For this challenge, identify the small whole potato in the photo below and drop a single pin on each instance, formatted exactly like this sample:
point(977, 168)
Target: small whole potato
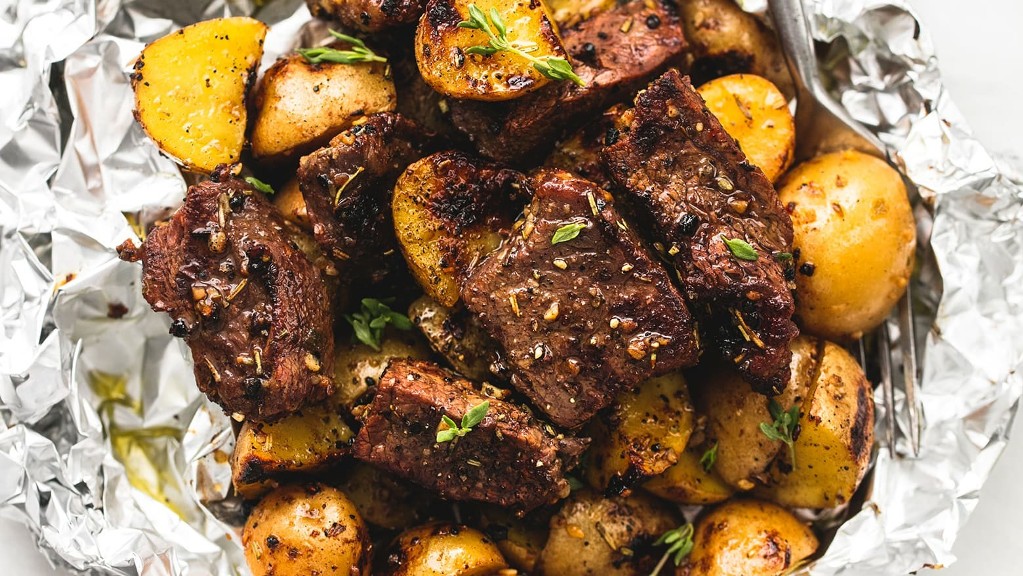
point(748, 538)
point(442, 549)
point(306, 529)
point(855, 237)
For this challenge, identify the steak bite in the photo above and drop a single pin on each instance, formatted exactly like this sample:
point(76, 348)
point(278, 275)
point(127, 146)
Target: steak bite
point(615, 53)
point(691, 182)
point(347, 188)
point(509, 458)
point(251, 307)
point(580, 317)
point(368, 15)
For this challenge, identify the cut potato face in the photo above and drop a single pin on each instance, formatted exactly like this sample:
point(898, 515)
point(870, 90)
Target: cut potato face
point(290, 203)
point(190, 89)
point(689, 482)
point(442, 549)
point(444, 63)
point(642, 436)
point(568, 13)
point(301, 106)
point(754, 112)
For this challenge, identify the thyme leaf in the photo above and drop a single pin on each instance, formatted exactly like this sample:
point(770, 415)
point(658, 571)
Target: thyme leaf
point(709, 458)
point(357, 54)
point(680, 544)
point(260, 185)
point(785, 426)
point(567, 232)
point(470, 420)
point(740, 249)
point(375, 315)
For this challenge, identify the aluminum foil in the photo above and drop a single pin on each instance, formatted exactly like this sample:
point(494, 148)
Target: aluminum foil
point(112, 458)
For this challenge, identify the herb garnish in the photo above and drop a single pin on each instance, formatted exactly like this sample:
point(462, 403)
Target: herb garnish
point(550, 66)
point(784, 427)
point(783, 256)
point(260, 185)
point(709, 458)
point(369, 322)
point(567, 232)
point(358, 53)
point(740, 249)
point(473, 417)
point(680, 544)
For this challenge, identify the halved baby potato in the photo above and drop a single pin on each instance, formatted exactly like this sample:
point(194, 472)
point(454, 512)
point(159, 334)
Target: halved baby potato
point(755, 113)
point(442, 549)
point(446, 65)
point(190, 89)
point(300, 106)
point(689, 481)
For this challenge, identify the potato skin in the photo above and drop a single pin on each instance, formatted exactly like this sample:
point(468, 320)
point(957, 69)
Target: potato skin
point(687, 482)
point(357, 366)
point(734, 413)
point(643, 434)
point(592, 535)
point(854, 229)
point(190, 89)
point(289, 202)
point(440, 46)
point(300, 106)
point(457, 336)
point(748, 538)
point(755, 113)
point(728, 40)
point(308, 529)
point(382, 499)
point(835, 439)
point(442, 549)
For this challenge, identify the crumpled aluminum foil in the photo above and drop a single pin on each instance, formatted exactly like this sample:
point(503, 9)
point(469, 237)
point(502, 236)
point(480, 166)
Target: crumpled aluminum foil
point(118, 465)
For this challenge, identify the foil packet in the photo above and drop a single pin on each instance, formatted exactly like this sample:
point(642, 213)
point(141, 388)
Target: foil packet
point(118, 465)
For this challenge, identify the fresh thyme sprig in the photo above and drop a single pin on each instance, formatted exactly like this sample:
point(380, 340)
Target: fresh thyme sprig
point(358, 53)
point(473, 417)
point(552, 67)
point(680, 544)
point(785, 426)
point(370, 321)
point(709, 458)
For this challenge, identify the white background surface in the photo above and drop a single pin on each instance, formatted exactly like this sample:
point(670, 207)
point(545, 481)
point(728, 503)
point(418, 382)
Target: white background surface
point(979, 43)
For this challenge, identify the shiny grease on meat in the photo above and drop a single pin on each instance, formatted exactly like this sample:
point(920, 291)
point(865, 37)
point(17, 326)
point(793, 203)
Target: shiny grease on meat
point(582, 319)
point(509, 458)
point(368, 15)
point(253, 309)
point(691, 182)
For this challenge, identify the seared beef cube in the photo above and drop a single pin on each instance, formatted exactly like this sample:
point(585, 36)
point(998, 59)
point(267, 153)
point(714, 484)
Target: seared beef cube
point(509, 458)
point(253, 309)
point(347, 188)
point(692, 183)
point(580, 318)
point(368, 15)
point(615, 53)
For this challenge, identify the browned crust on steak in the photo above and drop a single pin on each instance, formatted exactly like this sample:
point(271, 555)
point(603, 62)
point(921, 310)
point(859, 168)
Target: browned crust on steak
point(690, 180)
point(368, 15)
point(508, 459)
point(584, 319)
point(251, 307)
point(615, 53)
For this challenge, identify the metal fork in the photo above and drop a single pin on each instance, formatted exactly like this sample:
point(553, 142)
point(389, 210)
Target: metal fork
point(824, 126)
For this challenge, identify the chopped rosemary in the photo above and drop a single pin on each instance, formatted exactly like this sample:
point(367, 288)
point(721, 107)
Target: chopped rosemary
point(709, 458)
point(552, 67)
point(473, 417)
point(370, 321)
point(740, 249)
point(567, 232)
point(260, 185)
point(358, 53)
point(680, 544)
point(785, 426)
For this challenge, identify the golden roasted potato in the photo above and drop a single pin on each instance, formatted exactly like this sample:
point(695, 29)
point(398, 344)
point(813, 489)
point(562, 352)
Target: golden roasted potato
point(688, 482)
point(725, 39)
point(592, 535)
point(748, 538)
point(306, 529)
point(300, 106)
point(357, 366)
point(734, 413)
point(190, 89)
point(442, 549)
point(382, 499)
point(832, 451)
point(449, 210)
point(755, 113)
point(644, 433)
point(290, 203)
point(306, 441)
point(444, 63)
point(456, 335)
point(520, 540)
point(568, 13)
point(856, 238)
